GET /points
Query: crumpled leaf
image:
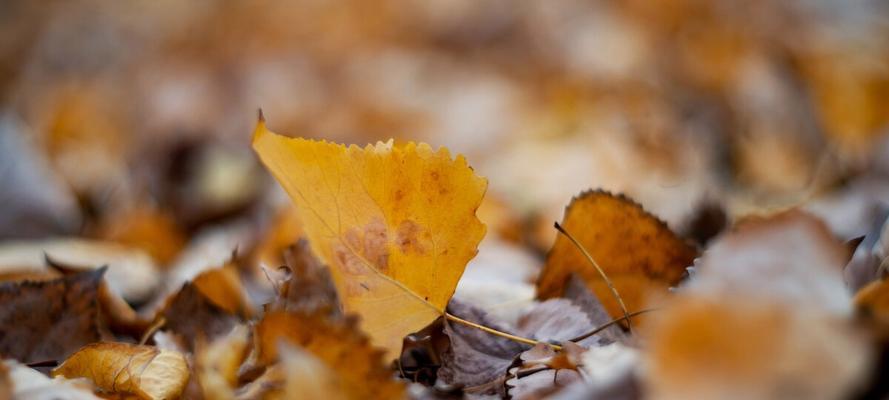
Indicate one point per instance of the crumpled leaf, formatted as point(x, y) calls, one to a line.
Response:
point(638, 252)
point(337, 343)
point(123, 368)
point(18, 382)
point(396, 224)
point(475, 358)
point(43, 321)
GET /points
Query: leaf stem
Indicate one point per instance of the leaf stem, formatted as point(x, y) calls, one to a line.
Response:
point(592, 261)
point(495, 332)
point(612, 322)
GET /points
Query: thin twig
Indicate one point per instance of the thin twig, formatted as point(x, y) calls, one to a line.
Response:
point(492, 331)
point(609, 323)
point(592, 261)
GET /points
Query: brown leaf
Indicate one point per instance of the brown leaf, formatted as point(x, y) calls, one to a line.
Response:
point(476, 358)
point(123, 368)
point(637, 252)
point(49, 320)
point(131, 272)
point(309, 286)
point(190, 314)
point(223, 287)
point(554, 320)
point(580, 295)
point(337, 343)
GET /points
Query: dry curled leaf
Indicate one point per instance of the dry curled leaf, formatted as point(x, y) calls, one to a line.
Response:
point(124, 368)
point(337, 343)
point(43, 321)
point(475, 359)
point(637, 252)
point(396, 224)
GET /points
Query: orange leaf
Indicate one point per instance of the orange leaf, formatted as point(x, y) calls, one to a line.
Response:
point(337, 343)
point(637, 252)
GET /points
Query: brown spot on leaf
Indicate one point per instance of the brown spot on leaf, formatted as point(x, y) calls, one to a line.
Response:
point(406, 237)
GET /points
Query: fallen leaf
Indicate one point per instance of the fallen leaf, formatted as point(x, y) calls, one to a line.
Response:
point(18, 382)
point(131, 272)
point(223, 287)
point(396, 224)
point(307, 377)
point(789, 258)
point(147, 228)
point(191, 315)
point(579, 294)
point(337, 343)
point(637, 252)
point(475, 359)
point(554, 321)
point(308, 287)
point(49, 320)
point(217, 363)
point(123, 368)
point(747, 347)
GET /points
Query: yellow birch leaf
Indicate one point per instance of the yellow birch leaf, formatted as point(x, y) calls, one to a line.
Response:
point(396, 224)
point(144, 371)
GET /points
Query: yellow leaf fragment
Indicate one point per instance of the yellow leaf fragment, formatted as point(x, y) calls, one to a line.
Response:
point(124, 368)
point(396, 224)
point(637, 252)
point(358, 366)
